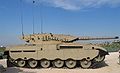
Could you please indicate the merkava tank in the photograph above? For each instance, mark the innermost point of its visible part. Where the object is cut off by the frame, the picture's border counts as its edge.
(56, 50)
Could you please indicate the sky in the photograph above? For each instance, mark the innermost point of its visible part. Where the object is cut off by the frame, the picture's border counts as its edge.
(75, 17)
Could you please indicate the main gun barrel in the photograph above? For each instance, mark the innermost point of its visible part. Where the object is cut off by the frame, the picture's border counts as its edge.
(93, 38)
(97, 38)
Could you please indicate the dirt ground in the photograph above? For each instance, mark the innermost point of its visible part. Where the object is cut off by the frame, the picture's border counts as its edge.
(110, 65)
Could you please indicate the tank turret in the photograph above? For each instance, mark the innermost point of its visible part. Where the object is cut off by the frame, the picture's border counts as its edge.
(39, 38)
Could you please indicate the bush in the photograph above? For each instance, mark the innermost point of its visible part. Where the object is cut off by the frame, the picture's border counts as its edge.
(1, 55)
(113, 47)
(2, 49)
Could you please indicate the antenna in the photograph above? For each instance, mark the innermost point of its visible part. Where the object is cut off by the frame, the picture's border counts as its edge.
(41, 17)
(33, 16)
(21, 17)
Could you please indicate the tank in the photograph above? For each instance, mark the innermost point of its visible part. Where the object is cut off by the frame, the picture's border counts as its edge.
(56, 50)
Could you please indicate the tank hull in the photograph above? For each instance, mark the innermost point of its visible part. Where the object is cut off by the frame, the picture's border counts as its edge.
(52, 53)
(55, 53)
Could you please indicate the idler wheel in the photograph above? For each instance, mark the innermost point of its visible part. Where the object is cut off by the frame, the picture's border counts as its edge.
(58, 63)
(21, 62)
(99, 58)
(45, 63)
(70, 63)
(32, 63)
(85, 64)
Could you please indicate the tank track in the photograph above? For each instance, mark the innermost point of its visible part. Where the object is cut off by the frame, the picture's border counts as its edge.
(57, 63)
(73, 64)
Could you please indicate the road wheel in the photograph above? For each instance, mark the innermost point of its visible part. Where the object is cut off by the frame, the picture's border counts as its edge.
(45, 63)
(58, 63)
(32, 63)
(99, 58)
(85, 64)
(21, 62)
(70, 63)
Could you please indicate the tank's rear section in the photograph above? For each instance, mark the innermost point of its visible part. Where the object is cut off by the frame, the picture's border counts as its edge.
(45, 50)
